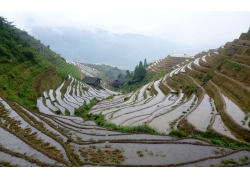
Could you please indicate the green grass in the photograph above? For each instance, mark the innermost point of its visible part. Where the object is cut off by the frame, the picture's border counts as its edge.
(178, 133)
(231, 64)
(22, 64)
(229, 161)
(213, 138)
(6, 164)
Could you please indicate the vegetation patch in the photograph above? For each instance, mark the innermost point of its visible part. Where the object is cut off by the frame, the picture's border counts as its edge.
(229, 161)
(103, 156)
(231, 64)
(213, 138)
(6, 164)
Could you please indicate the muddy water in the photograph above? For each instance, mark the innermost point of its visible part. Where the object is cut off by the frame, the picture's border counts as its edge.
(11, 113)
(166, 84)
(177, 71)
(70, 98)
(23, 124)
(162, 123)
(172, 72)
(71, 103)
(146, 111)
(45, 95)
(157, 99)
(189, 66)
(235, 112)
(204, 58)
(183, 68)
(141, 93)
(68, 121)
(46, 125)
(91, 130)
(62, 109)
(61, 102)
(43, 108)
(129, 122)
(196, 61)
(106, 111)
(50, 106)
(220, 127)
(11, 142)
(195, 141)
(145, 137)
(162, 109)
(74, 118)
(84, 97)
(201, 116)
(15, 160)
(51, 95)
(237, 156)
(111, 106)
(163, 154)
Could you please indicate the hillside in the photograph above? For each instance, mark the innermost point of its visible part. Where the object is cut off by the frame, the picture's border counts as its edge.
(27, 66)
(103, 71)
(205, 92)
(194, 112)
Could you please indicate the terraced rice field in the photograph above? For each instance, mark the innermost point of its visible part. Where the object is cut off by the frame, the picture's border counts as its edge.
(208, 91)
(39, 139)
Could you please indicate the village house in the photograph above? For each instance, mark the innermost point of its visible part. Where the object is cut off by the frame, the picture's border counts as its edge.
(94, 81)
(118, 82)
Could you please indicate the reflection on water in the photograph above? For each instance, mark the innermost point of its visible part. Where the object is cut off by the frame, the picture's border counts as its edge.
(220, 127)
(236, 113)
(202, 115)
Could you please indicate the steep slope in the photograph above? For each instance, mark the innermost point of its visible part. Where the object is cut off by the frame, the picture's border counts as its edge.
(208, 91)
(197, 96)
(27, 66)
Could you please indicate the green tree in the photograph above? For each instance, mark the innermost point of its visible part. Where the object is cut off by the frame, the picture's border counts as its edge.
(140, 64)
(128, 73)
(145, 63)
(139, 74)
(120, 75)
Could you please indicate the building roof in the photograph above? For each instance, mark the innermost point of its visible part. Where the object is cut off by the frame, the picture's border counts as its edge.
(120, 80)
(90, 80)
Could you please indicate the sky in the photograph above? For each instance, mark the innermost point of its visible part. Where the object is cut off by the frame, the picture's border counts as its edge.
(210, 24)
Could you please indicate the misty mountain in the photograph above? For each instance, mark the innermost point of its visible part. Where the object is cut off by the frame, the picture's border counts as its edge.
(100, 46)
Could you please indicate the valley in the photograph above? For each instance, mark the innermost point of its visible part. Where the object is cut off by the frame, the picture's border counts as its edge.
(194, 113)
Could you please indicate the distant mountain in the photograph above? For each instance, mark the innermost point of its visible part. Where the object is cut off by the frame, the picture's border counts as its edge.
(99, 46)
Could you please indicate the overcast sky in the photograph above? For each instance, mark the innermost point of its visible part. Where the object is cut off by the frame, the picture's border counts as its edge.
(154, 18)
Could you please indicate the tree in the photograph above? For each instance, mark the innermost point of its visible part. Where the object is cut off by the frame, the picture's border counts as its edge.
(139, 74)
(120, 75)
(128, 73)
(145, 63)
(140, 64)
(48, 46)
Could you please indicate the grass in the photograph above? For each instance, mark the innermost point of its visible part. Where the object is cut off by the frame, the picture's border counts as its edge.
(139, 153)
(6, 164)
(99, 156)
(229, 161)
(231, 64)
(213, 138)
(178, 133)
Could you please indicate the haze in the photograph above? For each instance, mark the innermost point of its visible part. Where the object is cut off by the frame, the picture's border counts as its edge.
(194, 31)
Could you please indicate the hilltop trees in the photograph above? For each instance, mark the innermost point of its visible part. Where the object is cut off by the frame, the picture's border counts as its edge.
(138, 75)
(128, 73)
(145, 63)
